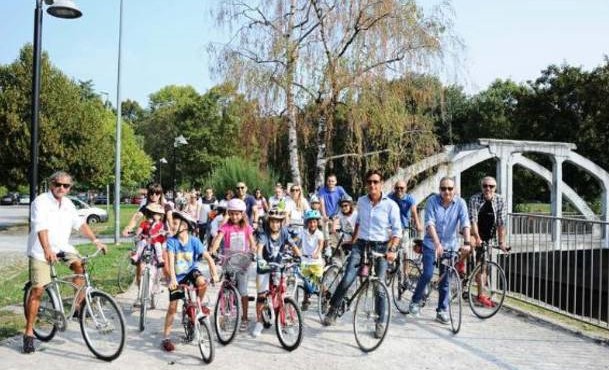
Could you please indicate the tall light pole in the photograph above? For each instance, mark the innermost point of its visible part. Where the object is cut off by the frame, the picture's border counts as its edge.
(61, 9)
(117, 150)
(180, 140)
(162, 161)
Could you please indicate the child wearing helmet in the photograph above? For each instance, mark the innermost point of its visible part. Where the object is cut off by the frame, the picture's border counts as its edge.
(184, 251)
(238, 237)
(346, 220)
(272, 244)
(151, 231)
(311, 245)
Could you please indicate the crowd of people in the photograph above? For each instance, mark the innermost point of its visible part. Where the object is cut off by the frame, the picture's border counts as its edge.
(199, 226)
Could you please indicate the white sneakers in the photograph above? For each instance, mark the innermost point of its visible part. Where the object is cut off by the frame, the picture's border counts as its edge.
(257, 329)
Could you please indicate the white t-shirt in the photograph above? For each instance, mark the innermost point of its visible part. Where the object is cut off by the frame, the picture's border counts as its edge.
(347, 225)
(59, 219)
(308, 244)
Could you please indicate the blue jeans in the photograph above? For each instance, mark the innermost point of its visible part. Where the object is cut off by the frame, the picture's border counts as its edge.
(351, 269)
(429, 259)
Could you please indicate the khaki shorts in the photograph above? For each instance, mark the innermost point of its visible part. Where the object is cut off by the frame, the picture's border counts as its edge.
(40, 271)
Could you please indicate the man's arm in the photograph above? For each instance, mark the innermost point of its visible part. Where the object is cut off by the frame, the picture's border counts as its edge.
(86, 230)
(417, 220)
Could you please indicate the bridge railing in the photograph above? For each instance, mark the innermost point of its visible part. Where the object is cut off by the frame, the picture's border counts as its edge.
(561, 264)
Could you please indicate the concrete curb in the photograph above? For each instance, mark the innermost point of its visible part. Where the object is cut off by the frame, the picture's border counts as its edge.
(542, 319)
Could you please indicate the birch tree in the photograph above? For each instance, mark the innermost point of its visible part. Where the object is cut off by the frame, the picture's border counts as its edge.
(262, 58)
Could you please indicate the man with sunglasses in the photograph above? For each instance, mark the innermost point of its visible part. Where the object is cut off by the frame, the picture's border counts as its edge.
(250, 203)
(487, 214)
(408, 208)
(52, 218)
(445, 214)
(378, 225)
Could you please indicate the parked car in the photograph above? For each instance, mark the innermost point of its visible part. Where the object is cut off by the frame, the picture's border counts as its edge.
(10, 199)
(137, 199)
(91, 215)
(24, 199)
(100, 199)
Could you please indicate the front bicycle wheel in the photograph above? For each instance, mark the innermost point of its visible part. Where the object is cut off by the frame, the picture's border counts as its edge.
(125, 273)
(454, 299)
(327, 287)
(288, 324)
(486, 289)
(371, 315)
(45, 327)
(144, 297)
(204, 340)
(227, 314)
(102, 326)
(404, 284)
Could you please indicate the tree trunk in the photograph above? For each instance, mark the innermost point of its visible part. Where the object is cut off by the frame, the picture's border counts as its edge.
(292, 56)
(320, 161)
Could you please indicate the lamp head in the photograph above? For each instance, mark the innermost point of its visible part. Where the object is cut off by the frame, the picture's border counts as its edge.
(63, 9)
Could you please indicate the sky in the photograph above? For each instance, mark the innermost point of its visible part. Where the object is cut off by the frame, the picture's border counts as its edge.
(165, 42)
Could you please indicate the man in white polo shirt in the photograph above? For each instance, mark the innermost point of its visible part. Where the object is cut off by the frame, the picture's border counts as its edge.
(52, 218)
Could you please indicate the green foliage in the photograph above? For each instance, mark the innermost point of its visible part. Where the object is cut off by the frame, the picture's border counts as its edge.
(234, 169)
(75, 128)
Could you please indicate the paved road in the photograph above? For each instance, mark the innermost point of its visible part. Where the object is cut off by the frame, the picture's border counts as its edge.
(506, 341)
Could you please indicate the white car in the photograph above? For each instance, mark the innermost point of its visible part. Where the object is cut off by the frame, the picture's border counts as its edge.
(92, 215)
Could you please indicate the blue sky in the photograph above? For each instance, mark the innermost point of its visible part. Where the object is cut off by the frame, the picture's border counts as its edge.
(164, 42)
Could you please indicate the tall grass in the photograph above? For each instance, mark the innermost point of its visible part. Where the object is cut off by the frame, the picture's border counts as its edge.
(235, 169)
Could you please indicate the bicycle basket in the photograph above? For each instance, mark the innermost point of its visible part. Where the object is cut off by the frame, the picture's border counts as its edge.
(238, 262)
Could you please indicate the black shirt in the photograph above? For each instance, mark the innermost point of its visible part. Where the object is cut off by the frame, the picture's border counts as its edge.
(486, 221)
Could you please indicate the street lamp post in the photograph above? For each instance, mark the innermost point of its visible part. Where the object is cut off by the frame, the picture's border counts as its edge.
(180, 140)
(162, 161)
(60, 9)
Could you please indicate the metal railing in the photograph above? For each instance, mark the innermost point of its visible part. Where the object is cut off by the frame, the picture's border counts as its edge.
(560, 264)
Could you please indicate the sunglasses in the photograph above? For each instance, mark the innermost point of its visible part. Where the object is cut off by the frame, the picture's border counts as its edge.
(156, 193)
(488, 186)
(61, 185)
(399, 188)
(370, 182)
(446, 188)
(294, 189)
(240, 187)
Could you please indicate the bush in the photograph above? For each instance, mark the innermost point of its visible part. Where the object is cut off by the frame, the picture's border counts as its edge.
(235, 169)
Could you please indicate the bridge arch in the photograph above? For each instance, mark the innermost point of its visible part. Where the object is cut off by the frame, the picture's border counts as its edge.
(453, 160)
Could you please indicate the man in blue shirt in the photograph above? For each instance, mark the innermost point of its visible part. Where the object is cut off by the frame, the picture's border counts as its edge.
(445, 213)
(250, 202)
(408, 208)
(330, 197)
(376, 216)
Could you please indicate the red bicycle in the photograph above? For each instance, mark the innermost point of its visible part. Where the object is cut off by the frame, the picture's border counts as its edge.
(281, 308)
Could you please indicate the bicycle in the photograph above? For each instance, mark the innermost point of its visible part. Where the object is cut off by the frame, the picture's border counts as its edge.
(281, 308)
(403, 276)
(195, 322)
(486, 279)
(305, 286)
(366, 298)
(102, 324)
(227, 313)
(448, 260)
(150, 284)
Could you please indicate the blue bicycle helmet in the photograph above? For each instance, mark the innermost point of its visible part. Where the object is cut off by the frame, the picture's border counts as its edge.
(311, 214)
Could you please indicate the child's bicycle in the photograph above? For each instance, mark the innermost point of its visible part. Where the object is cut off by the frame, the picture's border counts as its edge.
(305, 286)
(280, 308)
(101, 321)
(227, 313)
(195, 323)
(150, 283)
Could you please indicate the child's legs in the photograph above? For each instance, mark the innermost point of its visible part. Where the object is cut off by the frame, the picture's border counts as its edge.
(158, 251)
(171, 311)
(262, 283)
(241, 280)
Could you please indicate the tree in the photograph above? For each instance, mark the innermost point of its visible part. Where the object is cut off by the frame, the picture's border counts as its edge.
(75, 127)
(264, 57)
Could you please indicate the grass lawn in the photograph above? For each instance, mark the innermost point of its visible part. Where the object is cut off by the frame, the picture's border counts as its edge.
(103, 270)
(107, 228)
